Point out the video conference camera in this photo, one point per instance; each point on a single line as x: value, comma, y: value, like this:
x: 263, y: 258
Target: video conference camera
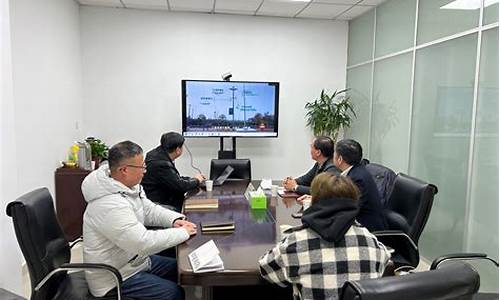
x: 227, y: 76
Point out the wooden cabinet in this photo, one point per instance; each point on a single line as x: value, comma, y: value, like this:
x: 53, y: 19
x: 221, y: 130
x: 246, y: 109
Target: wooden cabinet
x: 70, y: 204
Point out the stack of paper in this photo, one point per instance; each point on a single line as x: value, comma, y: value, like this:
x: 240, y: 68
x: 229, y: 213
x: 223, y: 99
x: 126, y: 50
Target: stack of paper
x: 201, y: 204
x: 206, y: 258
x: 217, y: 227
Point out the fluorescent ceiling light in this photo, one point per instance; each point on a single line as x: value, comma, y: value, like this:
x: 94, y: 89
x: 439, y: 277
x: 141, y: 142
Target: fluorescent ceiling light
x: 468, y: 4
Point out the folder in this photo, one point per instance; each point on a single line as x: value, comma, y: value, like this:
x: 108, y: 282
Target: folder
x: 201, y: 204
x: 217, y: 227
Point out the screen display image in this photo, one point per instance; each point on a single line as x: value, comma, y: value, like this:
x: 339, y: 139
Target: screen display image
x: 229, y: 108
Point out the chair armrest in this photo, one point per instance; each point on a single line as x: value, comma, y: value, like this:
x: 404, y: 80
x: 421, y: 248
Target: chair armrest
x: 78, y: 240
x: 460, y: 256
x: 396, y: 235
x: 83, y: 267
x: 402, y: 244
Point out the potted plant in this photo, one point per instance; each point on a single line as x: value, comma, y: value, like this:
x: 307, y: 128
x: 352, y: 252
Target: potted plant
x: 99, y: 150
x: 328, y: 114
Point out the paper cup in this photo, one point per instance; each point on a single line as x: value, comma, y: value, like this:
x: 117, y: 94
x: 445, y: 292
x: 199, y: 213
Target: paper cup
x: 209, y: 184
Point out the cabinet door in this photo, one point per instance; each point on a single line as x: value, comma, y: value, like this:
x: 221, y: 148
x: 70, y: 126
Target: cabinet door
x: 70, y: 204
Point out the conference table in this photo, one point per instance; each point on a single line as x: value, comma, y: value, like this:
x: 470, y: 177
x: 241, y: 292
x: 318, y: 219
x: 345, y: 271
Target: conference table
x: 256, y: 231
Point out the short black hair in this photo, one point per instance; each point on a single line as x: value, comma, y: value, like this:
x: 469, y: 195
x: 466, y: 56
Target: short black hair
x: 325, y: 145
x: 171, y: 141
x: 350, y: 150
x: 121, y: 151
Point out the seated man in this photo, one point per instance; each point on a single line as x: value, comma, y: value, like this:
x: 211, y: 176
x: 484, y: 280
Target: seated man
x: 329, y: 248
x: 163, y: 183
x: 114, y: 231
x: 347, y: 157
x: 321, y: 152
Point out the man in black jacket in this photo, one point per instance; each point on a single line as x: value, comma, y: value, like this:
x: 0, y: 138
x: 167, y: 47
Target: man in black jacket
x: 321, y: 152
x: 347, y: 157
x: 162, y: 182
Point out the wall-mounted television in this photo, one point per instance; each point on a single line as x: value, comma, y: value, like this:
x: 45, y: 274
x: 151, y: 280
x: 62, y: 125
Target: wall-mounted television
x: 213, y: 108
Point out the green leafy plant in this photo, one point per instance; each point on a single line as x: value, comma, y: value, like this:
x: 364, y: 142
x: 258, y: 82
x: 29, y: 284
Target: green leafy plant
x: 330, y: 113
x: 99, y: 148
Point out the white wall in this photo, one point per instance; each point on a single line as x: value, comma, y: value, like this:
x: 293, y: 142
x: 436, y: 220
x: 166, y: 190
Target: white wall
x: 41, y: 101
x: 46, y: 64
x: 134, y: 61
x: 10, y: 256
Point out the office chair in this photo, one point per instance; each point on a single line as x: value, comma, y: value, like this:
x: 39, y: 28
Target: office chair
x: 441, y: 262
x: 242, y: 168
x: 384, y: 178
x: 407, y: 211
x: 458, y: 281
x: 47, y: 252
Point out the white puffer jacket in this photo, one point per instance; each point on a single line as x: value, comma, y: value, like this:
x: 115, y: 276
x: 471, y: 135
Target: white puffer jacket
x: 114, y: 232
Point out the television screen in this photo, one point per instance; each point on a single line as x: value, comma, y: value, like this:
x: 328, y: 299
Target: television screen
x: 229, y: 108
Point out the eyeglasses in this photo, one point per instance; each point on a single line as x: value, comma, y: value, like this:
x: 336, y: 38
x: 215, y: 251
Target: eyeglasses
x: 138, y: 167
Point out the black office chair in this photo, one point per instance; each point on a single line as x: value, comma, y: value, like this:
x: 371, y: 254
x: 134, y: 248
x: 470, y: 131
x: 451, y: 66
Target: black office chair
x: 384, y: 178
x: 47, y: 252
x: 242, y: 168
x: 442, y: 261
x: 458, y: 281
x: 407, y: 211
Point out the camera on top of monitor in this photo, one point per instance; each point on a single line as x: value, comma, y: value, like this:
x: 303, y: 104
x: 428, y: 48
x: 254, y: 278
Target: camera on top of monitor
x: 227, y: 76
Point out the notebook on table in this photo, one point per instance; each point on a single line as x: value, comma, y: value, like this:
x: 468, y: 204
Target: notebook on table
x: 217, y: 227
x: 201, y: 204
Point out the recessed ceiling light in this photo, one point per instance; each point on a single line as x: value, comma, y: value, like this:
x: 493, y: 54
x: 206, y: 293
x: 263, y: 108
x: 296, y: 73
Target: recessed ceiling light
x: 468, y: 4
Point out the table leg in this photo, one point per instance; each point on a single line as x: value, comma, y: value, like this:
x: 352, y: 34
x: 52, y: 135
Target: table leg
x: 207, y: 293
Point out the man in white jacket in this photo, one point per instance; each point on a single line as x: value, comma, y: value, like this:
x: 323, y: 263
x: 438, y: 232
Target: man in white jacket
x: 114, y: 231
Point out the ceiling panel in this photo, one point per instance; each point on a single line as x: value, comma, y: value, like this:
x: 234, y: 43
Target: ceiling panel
x: 148, y: 4
x: 237, y: 5
x: 322, y: 9
x: 372, y: 2
x: 354, y: 12
x: 280, y: 8
x: 112, y: 3
x: 326, y: 11
x: 345, y: 2
x: 191, y: 5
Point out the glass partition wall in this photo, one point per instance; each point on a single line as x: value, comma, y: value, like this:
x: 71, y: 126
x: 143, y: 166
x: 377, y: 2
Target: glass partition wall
x: 423, y: 75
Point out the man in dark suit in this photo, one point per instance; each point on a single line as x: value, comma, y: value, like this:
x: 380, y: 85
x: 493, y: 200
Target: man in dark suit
x: 322, y: 153
x: 162, y: 182
x: 347, y: 157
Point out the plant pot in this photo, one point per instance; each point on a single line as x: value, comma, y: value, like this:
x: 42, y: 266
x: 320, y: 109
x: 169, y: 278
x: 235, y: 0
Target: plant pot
x: 97, y: 162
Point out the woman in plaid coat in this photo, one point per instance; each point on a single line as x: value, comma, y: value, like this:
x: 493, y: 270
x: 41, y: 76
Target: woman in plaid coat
x: 329, y: 248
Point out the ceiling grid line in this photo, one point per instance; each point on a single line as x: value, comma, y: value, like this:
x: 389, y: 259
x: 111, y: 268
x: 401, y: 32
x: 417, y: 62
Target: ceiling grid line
x: 343, y: 10
x: 334, y: 18
x: 258, y: 7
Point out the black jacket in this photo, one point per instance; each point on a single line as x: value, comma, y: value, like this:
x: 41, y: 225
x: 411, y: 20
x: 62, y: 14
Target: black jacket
x: 371, y: 212
x: 304, y: 181
x: 162, y: 182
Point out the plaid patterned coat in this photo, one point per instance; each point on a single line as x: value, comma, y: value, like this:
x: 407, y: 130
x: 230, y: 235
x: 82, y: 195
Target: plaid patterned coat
x: 317, y: 269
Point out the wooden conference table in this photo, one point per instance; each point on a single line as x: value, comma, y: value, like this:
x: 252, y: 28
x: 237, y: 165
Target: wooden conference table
x: 256, y: 231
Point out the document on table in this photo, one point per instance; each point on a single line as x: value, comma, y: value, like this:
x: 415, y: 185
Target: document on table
x: 206, y: 258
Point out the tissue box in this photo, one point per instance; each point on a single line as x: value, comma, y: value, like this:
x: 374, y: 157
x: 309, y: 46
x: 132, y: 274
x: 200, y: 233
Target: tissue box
x: 258, y: 200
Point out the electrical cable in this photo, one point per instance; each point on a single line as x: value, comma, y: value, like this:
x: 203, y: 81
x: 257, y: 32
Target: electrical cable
x: 191, y: 159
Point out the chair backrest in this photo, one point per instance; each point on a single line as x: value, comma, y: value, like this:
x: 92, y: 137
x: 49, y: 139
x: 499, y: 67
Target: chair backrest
x: 242, y: 168
x: 384, y: 178
x: 409, y: 205
x: 40, y: 238
x: 457, y: 281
